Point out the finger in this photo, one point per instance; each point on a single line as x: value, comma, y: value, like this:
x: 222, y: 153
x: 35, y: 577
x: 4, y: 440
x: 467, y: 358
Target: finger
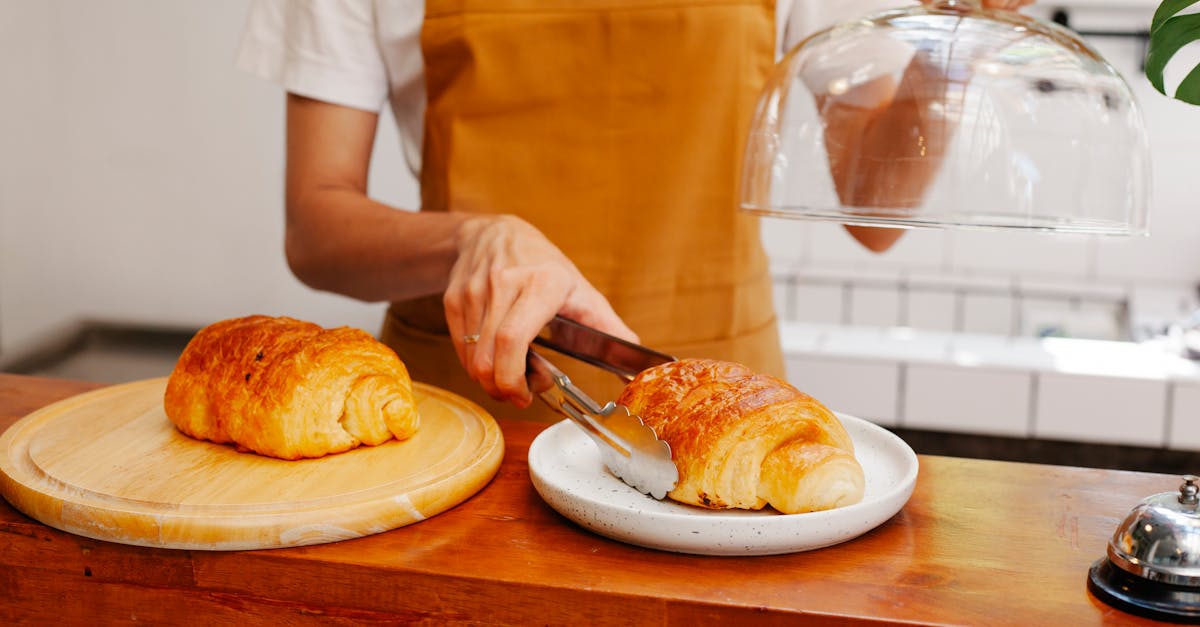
x: 503, y: 289
x: 534, y: 306
x: 541, y: 298
x: 452, y: 303
x: 465, y: 301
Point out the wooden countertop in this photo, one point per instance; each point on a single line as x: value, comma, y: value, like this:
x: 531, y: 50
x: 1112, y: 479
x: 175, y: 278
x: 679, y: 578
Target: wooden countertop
x: 980, y: 542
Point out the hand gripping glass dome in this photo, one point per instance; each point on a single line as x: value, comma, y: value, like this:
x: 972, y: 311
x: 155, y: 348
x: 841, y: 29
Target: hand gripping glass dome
x: 949, y: 116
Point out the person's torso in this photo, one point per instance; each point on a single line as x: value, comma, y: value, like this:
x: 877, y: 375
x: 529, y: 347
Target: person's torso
x: 616, y: 128
x: 398, y: 30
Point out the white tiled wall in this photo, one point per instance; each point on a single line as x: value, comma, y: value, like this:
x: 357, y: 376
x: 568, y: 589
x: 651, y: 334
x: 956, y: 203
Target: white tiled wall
x: 1185, y: 416
x: 944, y: 328
x: 973, y: 304
x: 1055, y: 388
x: 1010, y: 288
x: 988, y: 313
x: 874, y: 306
x: 1051, y: 275
x: 986, y: 401
x: 820, y: 303
x: 867, y: 389
x: 1019, y: 254
x: 934, y: 310
x: 1087, y: 408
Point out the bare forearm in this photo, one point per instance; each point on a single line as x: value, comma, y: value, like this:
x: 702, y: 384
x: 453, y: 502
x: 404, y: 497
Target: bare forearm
x: 339, y: 240
x: 501, y: 279
x: 886, y: 143
x: 887, y: 154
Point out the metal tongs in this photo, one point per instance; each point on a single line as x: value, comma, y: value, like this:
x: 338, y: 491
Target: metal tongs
x: 629, y: 448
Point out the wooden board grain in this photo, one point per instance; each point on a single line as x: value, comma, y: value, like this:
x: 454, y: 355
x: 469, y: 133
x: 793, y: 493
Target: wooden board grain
x: 109, y: 465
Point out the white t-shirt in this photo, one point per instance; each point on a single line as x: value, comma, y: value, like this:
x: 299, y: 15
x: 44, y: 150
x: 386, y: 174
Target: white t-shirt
x: 363, y: 53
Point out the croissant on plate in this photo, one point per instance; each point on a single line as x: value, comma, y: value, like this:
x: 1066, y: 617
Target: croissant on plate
x: 289, y: 389
x: 743, y: 440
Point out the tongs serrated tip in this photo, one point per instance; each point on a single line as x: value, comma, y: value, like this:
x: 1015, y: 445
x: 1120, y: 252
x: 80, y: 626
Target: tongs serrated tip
x: 630, y: 449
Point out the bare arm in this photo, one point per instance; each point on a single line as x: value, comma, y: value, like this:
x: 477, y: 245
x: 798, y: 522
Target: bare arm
x: 340, y: 240
x: 885, y: 145
x: 500, y: 277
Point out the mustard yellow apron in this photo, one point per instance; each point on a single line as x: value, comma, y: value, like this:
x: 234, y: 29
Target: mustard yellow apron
x: 617, y: 128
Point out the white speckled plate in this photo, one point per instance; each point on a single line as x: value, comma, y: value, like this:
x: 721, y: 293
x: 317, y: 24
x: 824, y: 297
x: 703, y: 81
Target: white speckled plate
x: 567, y: 472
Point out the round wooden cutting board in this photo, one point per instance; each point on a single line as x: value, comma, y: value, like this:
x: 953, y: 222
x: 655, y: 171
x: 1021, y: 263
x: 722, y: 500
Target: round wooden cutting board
x: 109, y: 465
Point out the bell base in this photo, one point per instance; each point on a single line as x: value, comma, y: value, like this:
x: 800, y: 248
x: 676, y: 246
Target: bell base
x: 1140, y: 596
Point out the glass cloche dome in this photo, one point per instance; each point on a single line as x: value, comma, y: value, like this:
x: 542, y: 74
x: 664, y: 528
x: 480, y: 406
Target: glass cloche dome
x: 949, y: 115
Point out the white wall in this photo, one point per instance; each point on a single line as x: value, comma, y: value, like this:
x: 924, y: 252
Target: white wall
x: 141, y: 182
x: 141, y: 174
x: 1156, y: 275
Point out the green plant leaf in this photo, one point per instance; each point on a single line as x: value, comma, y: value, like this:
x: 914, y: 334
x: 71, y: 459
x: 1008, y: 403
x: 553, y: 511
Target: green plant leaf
x: 1167, y: 9
x: 1169, y: 32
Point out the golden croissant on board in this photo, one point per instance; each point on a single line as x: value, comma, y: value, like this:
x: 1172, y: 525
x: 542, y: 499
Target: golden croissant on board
x: 743, y: 440
x: 289, y: 389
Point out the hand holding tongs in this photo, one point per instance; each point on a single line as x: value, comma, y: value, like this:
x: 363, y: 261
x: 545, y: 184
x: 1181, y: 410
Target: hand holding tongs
x: 630, y: 449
